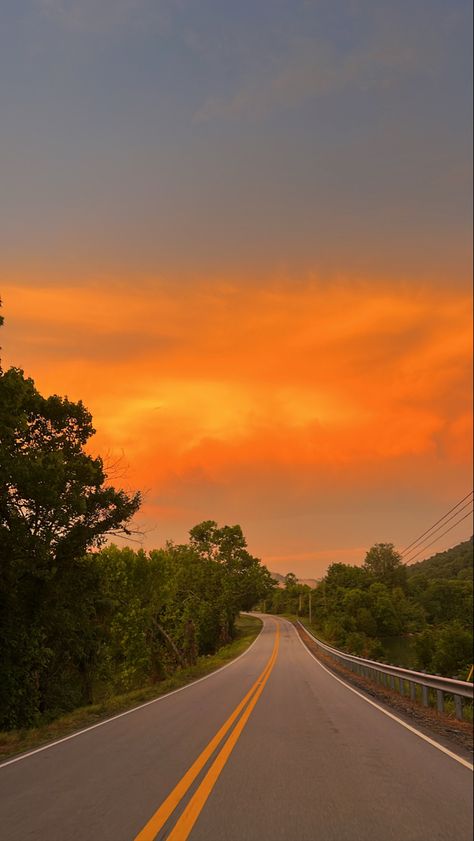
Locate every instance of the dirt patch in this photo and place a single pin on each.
(458, 732)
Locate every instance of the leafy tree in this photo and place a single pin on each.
(365, 622)
(54, 506)
(383, 610)
(385, 565)
(453, 652)
(445, 651)
(447, 600)
(345, 575)
(425, 644)
(250, 581)
(132, 592)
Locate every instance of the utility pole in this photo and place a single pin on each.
(300, 605)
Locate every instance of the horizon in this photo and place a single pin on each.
(408, 563)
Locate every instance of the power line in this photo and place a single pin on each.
(441, 535)
(441, 526)
(435, 524)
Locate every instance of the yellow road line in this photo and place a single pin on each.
(184, 825)
(159, 818)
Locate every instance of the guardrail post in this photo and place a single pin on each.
(424, 696)
(392, 682)
(412, 690)
(458, 707)
(440, 700)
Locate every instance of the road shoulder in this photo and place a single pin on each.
(455, 735)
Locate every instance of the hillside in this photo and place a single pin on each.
(456, 563)
(309, 582)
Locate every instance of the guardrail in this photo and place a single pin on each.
(415, 685)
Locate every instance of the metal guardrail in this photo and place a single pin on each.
(406, 681)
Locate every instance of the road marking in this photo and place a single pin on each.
(184, 825)
(159, 818)
(386, 712)
(133, 710)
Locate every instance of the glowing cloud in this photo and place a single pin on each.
(224, 384)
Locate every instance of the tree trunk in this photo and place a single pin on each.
(170, 643)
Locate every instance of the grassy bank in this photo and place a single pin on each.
(18, 741)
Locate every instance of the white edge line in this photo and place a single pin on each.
(386, 712)
(134, 709)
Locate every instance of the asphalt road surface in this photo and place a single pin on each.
(271, 747)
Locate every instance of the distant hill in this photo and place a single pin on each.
(454, 563)
(310, 582)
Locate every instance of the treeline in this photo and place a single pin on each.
(118, 619)
(455, 563)
(358, 608)
(80, 620)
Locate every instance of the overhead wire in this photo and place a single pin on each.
(432, 531)
(422, 549)
(428, 531)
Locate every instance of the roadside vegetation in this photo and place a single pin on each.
(17, 741)
(82, 621)
(422, 612)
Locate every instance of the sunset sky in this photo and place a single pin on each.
(240, 232)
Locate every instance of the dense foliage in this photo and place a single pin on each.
(454, 563)
(358, 608)
(77, 619)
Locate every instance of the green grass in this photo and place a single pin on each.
(18, 741)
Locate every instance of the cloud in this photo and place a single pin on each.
(302, 373)
(311, 69)
(261, 403)
(103, 16)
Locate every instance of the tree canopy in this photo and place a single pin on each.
(55, 505)
(384, 564)
(425, 610)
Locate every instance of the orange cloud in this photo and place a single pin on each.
(214, 383)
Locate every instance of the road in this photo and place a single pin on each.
(306, 760)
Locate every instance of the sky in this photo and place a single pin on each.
(241, 234)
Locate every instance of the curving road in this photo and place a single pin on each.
(270, 747)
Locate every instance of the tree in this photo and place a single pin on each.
(383, 610)
(54, 501)
(345, 575)
(249, 579)
(384, 564)
(55, 504)
(446, 651)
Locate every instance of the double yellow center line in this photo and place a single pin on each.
(189, 816)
